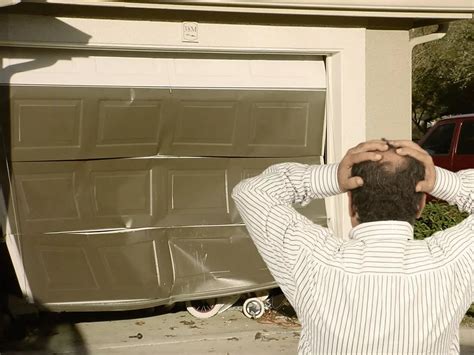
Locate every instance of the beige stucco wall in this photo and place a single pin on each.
(388, 84)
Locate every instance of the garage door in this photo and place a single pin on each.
(123, 166)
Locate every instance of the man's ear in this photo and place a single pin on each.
(421, 205)
(352, 211)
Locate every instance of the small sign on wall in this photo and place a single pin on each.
(190, 32)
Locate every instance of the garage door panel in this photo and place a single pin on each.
(126, 123)
(43, 123)
(123, 166)
(259, 123)
(83, 123)
(142, 264)
(201, 123)
(67, 267)
(118, 193)
(92, 123)
(286, 124)
(135, 193)
(194, 191)
(82, 195)
(209, 260)
(279, 124)
(45, 195)
(210, 123)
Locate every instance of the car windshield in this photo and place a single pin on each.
(439, 141)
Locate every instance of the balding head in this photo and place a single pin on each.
(389, 186)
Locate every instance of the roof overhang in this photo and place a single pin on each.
(421, 9)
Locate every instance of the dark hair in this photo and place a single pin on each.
(388, 192)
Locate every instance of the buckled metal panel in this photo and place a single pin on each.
(134, 193)
(105, 221)
(70, 123)
(122, 193)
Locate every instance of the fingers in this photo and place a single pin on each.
(370, 146)
(364, 156)
(423, 186)
(353, 183)
(345, 178)
(421, 155)
(406, 144)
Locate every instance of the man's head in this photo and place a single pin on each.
(388, 192)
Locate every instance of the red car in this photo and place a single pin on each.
(451, 142)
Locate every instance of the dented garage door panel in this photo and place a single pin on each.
(121, 195)
(168, 264)
(154, 228)
(134, 193)
(65, 123)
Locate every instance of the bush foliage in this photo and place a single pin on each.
(437, 216)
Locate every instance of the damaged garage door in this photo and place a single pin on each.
(121, 169)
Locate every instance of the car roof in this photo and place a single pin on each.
(456, 118)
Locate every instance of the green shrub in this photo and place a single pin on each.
(435, 217)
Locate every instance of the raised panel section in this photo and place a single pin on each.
(94, 266)
(118, 193)
(244, 123)
(126, 123)
(48, 196)
(43, 124)
(198, 191)
(206, 122)
(131, 265)
(279, 124)
(67, 268)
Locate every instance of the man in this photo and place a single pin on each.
(381, 291)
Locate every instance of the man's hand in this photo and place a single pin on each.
(415, 151)
(362, 152)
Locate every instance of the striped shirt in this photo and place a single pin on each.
(381, 291)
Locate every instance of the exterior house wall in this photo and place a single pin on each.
(388, 84)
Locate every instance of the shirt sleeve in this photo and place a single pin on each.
(457, 189)
(283, 236)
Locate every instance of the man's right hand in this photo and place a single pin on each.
(409, 148)
(362, 152)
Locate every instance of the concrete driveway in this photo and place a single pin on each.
(172, 333)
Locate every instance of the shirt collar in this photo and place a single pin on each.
(382, 230)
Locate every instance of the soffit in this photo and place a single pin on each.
(413, 9)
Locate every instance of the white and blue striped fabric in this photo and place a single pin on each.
(381, 291)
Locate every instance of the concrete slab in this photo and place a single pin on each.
(176, 333)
